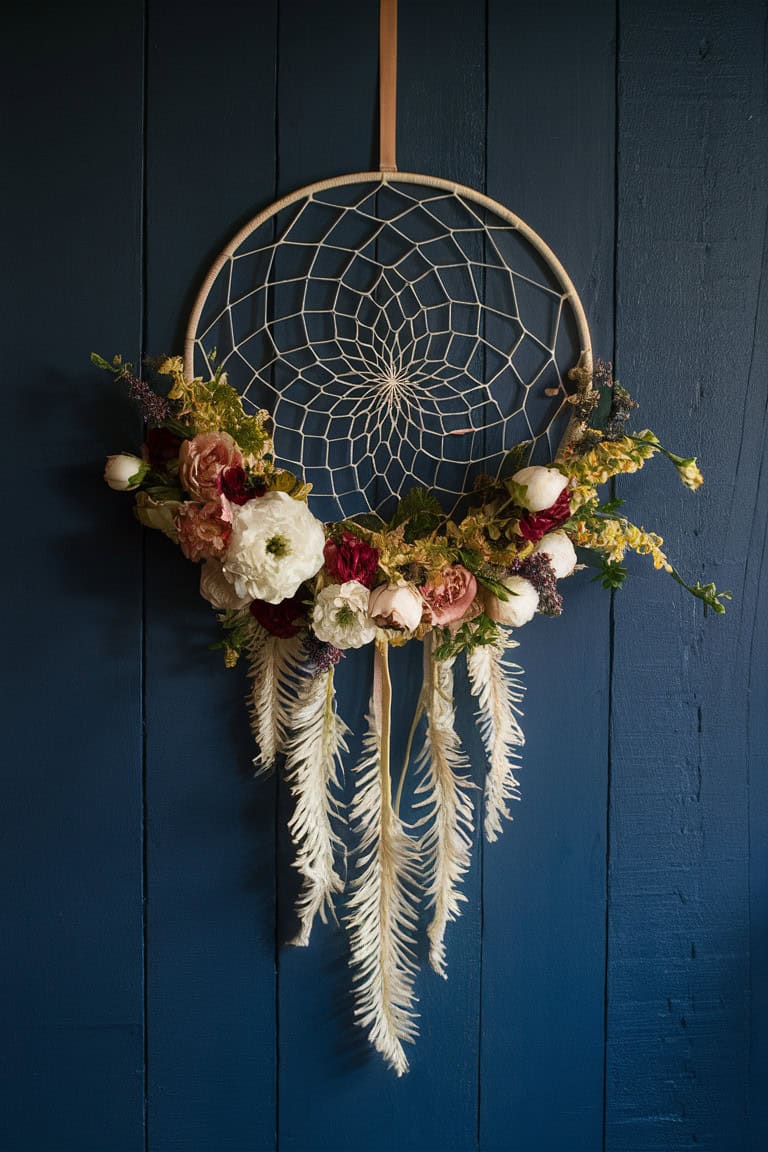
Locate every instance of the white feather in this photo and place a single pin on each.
(274, 668)
(382, 913)
(312, 759)
(447, 842)
(496, 685)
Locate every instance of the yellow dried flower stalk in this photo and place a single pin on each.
(613, 538)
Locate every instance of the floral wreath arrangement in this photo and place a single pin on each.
(293, 594)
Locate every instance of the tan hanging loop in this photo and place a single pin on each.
(387, 85)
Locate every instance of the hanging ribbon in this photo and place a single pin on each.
(387, 85)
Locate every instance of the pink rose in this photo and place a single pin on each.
(202, 458)
(204, 529)
(450, 598)
(396, 606)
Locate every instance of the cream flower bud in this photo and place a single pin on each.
(542, 486)
(217, 590)
(159, 514)
(396, 606)
(561, 553)
(519, 608)
(125, 472)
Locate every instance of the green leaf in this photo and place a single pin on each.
(515, 459)
(420, 512)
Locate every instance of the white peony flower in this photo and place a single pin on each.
(125, 472)
(340, 616)
(561, 553)
(276, 544)
(543, 486)
(519, 608)
(396, 606)
(217, 590)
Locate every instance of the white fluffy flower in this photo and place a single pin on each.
(340, 616)
(518, 608)
(542, 485)
(561, 553)
(276, 544)
(217, 590)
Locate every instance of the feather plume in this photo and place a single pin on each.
(274, 668)
(312, 759)
(496, 684)
(447, 842)
(382, 914)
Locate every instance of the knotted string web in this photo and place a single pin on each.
(401, 334)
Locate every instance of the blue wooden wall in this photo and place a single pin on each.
(609, 980)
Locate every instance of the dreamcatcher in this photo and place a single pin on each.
(403, 331)
(424, 357)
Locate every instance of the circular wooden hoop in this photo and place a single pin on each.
(581, 372)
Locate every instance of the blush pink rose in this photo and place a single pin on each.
(202, 458)
(396, 606)
(451, 597)
(204, 529)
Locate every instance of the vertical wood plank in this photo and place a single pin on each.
(72, 1016)
(692, 214)
(550, 159)
(334, 1091)
(211, 983)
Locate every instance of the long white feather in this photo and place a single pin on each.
(496, 684)
(382, 913)
(274, 668)
(312, 760)
(447, 842)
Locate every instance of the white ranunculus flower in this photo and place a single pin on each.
(543, 486)
(519, 608)
(561, 553)
(125, 472)
(276, 544)
(217, 590)
(340, 616)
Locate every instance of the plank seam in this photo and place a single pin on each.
(143, 641)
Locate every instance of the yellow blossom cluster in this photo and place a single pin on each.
(614, 537)
(609, 458)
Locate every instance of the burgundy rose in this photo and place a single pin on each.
(237, 486)
(534, 525)
(285, 619)
(347, 557)
(160, 446)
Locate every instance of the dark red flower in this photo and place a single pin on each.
(347, 557)
(534, 525)
(237, 486)
(285, 619)
(160, 446)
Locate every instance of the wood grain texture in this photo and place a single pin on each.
(692, 212)
(210, 825)
(550, 158)
(72, 1016)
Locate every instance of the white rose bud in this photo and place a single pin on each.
(519, 608)
(561, 553)
(217, 590)
(396, 606)
(542, 485)
(125, 472)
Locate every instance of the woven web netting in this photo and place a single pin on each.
(400, 335)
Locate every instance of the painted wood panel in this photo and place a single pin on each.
(550, 158)
(72, 1014)
(692, 210)
(210, 829)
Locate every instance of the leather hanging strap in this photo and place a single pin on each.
(387, 85)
